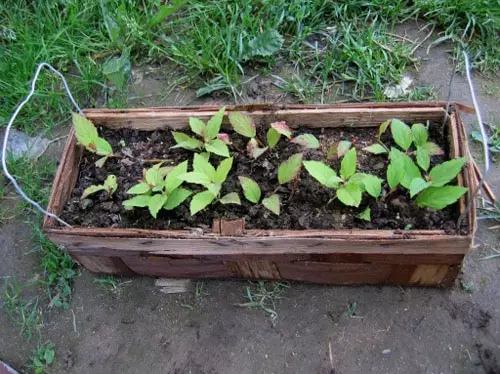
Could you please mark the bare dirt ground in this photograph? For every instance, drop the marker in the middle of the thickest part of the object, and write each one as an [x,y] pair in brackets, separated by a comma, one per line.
[135,328]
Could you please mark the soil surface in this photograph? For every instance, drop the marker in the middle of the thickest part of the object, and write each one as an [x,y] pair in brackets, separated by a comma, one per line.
[309,205]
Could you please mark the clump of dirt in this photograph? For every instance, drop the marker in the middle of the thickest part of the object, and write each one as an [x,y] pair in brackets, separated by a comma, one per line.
[311,206]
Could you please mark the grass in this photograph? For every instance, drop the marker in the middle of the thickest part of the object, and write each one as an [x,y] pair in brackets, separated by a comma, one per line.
[265,295]
[345,48]
[42,357]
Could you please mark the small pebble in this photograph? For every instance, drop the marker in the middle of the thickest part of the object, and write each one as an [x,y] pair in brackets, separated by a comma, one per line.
[378,166]
[386,351]
[86,203]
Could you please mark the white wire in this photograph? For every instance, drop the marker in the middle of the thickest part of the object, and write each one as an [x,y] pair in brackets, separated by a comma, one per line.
[479,116]
[7,131]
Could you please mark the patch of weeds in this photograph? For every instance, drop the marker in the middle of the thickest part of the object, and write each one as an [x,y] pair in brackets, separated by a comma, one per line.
[467,287]
[107,283]
[23,311]
[491,89]
[200,289]
[42,357]
[351,311]
[301,88]
[265,295]
[493,139]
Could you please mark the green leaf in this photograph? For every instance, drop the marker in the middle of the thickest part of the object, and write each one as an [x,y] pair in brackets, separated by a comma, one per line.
[185,141]
[85,131]
[156,203]
[164,11]
[254,150]
[272,203]
[49,356]
[273,137]
[439,197]
[100,163]
[195,177]
[172,180]
[433,149]
[409,169]
[218,147]
[200,201]
[423,158]
[117,69]
[365,214]
[103,148]
[417,185]
[139,189]
[350,194]
[376,149]
[306,140]
[214,188]
[445,172]
[251,189]
[242,124]
[395,172]
[214,123]
[281,128]
[373,185]
[342,148]
[290,168]
[176,198]
[110,184]
[223,170]
[401,134]
[348,164]
[201,165]
[153,177]
[140,201]
[197,126]
[266,43]
[230,198]
[91,190]
[383,127]
[322,173]
[420,134]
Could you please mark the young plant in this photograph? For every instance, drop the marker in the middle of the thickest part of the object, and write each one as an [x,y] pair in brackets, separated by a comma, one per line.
[86,135]
[275,131]
[212,140]
[252,193]
[338,149]
[159,189]
[431,189]
[244,125]
[110,185]
[205,174]
[350,185]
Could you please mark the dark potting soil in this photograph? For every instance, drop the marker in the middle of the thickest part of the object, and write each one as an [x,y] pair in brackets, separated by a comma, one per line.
[309,208]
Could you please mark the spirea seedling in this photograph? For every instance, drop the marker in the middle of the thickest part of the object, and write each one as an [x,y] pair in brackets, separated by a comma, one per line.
[86,135]
[253,193]
[159,189]
[211,178]
[430,188]
[350,185]
[110,185]
[211,139]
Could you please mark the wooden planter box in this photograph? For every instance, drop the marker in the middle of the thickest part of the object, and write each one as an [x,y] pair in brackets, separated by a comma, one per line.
[415,257]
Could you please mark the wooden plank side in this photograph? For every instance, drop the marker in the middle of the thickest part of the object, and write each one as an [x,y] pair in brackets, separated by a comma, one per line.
[65,179]
[314,118]
[161,266]
[258,246]
[102,264]
[456,152]
[254,269]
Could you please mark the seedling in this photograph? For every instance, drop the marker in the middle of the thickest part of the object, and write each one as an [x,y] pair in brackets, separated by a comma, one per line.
[245,126]
[212,140]
[431,189]
[350,185]
[338,149]
[205,174]
[86,135]
[252,193]
[159,189]
[110,185]
[275,131]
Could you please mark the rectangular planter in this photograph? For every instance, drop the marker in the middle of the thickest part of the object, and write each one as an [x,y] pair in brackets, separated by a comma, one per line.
[414,257]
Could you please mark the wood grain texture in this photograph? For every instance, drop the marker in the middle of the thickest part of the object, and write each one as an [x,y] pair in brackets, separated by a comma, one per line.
[413,257]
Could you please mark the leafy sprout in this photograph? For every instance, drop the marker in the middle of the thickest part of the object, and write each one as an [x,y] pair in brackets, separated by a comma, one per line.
[349,185]
[110,185]
[86,135]
[159,189]
[212,140]
[252,193]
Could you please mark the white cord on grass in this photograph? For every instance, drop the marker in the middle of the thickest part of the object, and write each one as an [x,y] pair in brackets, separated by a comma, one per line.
[7,131]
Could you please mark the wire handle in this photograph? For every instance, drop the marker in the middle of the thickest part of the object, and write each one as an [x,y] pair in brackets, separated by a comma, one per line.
[9,125]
